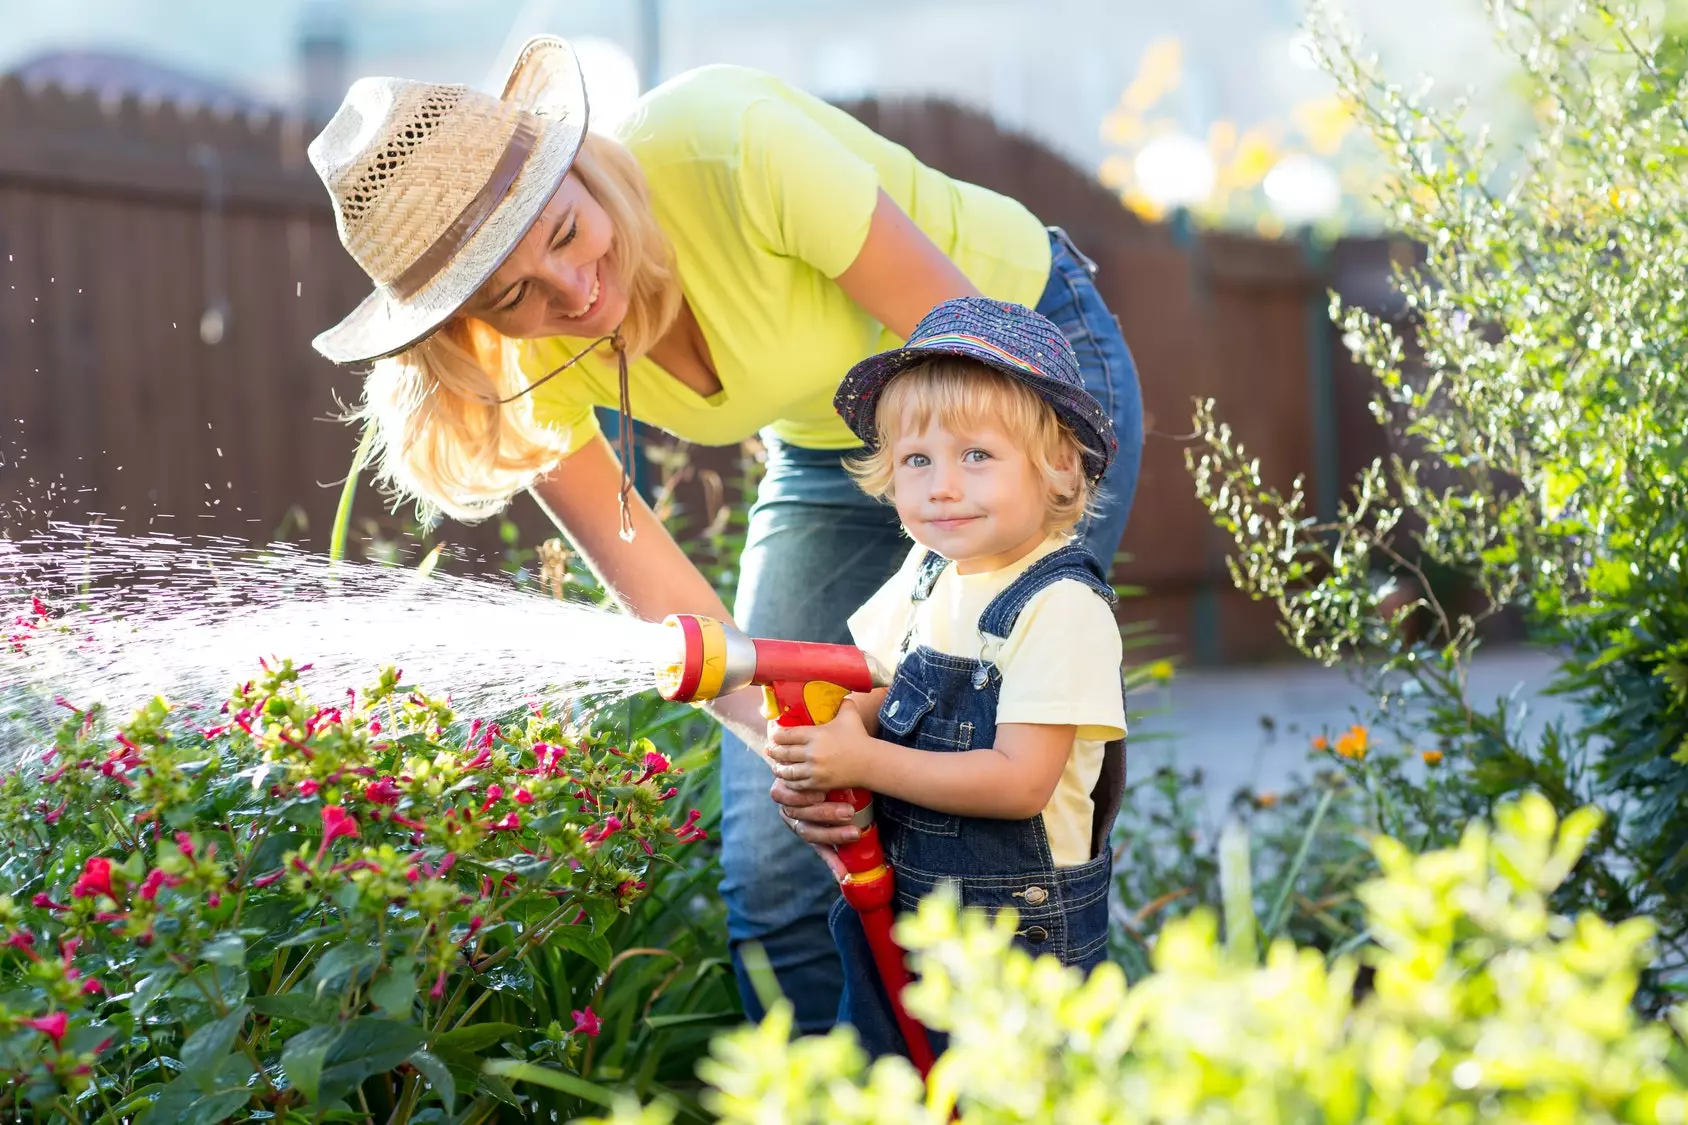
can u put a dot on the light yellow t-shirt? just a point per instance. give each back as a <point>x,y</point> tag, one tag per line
<point>766,193</point>
<point>1060,665</point>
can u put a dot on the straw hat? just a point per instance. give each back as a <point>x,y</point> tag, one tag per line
<point>433,186</point>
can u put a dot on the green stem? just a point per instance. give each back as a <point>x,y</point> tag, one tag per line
<point>1275,917</point>
<point>343,513</point>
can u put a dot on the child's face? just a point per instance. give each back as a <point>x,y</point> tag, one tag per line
<point>974,498</point>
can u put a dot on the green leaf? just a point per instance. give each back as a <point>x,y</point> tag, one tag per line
<point>394,989</point>
<point>204,1051</point>
<point>298,1006</point>
<point>342,962</point>
<point>363,1048</point>
<point>438,1076</point>
<point>550,1077</point>
<point>589,945</point>
<point>475,1037</point>
<point>184,1102</point>
<point>695,1019</point>
<point>225,949</point>
<point>303,1057</point>
<point>152,986</point>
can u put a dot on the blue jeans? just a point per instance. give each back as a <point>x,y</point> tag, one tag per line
<point>817,547</point>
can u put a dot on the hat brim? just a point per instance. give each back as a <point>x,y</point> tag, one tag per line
<point>546,81</point>
<point>857,400</point>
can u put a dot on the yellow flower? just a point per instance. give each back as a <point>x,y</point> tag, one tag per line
<point>1352,743</point>
<point>1161,671</point>
<point>1432,757</point>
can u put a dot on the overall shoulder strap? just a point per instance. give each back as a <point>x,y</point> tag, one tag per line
<point>1072,562</point>
<point>927,576</point>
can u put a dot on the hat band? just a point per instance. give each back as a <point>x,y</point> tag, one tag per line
<point>476,212</point>
<point>949,339</point>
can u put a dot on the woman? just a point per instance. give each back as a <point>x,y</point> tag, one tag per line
<point>714,270</point>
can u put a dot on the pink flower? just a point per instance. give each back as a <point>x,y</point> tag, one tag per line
<point>308,787</point>
<point>53,1026</point>
<point>95,880</point>
<point>654,763</point>
<point>382,792</point>
<point>44,901</point>
<point>438,991</point>
<point>92,986</point>
<point>523,797</point>
<point>586,1022</point>
<point>509,823</point>
<point>265,880</point>
<point>184,844</point>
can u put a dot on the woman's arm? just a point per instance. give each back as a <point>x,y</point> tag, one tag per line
<point>650,577</point>
<point>1011,780</point>
<point>899,274</point>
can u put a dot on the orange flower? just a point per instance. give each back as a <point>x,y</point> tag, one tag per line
<point>1265,800</point>
<point>1352,743</point>
<point>1321,743</point>
<point>1432,757</point>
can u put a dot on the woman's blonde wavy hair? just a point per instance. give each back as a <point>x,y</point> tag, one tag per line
<point>441,436</point>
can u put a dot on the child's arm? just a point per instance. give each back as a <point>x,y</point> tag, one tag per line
<point>1009,781</point>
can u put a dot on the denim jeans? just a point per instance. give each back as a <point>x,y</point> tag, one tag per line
<point>816,549</point>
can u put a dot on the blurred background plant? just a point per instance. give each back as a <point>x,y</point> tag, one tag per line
<point>1543,419</point>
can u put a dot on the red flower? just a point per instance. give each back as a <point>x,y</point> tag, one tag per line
<point>382,792</point>
<point>95,880</point>
<point>265,880</point>
<point>438,991</point>
<point>597,835</point>
<point>523,797</point>
<point>44,901</point>
<point>184,844</point>
<point>335,824</point>
<point>156,879</point>
<point>53,1026</point>
<point>509,823</point>
<point>654,763</point>
<point>92,986</point>
<point>586,1022</point>
<point>308,787</point>
<point>689,832</point>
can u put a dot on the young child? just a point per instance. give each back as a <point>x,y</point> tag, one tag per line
<point>997,752</point>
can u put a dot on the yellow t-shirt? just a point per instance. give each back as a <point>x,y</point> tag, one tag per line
<point>1060,665</point>
<point>766,193</point>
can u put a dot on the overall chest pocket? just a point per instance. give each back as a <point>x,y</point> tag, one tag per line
<point>906,718</point>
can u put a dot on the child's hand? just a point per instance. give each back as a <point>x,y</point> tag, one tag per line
<point>831,756</point>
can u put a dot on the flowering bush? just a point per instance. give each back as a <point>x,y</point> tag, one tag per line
<point>306,908</point>
<point>1484,1004</point>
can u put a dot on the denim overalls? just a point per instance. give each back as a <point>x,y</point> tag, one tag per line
<point>948,703</point>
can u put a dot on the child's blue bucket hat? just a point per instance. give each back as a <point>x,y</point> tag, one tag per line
<point>1009,338</point>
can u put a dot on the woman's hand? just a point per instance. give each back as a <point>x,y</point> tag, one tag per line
<point>835,755</point>
<point>899,274</point>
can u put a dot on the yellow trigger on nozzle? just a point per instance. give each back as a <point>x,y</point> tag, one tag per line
<point>824,700</point>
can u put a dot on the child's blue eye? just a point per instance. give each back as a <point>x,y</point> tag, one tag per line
<point>916,460</point>
<point>975,455</point>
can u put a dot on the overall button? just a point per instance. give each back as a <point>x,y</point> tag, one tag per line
<point>1037,934</point>
<point>896,704</point>
<point>1035,896</point>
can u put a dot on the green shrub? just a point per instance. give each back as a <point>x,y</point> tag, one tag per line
<point>1485,1005</point>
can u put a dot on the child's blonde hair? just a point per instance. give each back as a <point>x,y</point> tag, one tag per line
<point>961,395</point>
<point>442,438</point>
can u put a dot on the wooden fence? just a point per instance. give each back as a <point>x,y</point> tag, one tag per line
<point>162,272</point>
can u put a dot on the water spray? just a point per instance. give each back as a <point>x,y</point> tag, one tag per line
<point>805,684</point>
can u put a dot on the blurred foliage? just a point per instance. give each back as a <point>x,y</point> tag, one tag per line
<point>1478,1001</point>
<point>1535,381</point>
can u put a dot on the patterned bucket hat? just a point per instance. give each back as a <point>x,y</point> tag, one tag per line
<point>1009,338</point>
